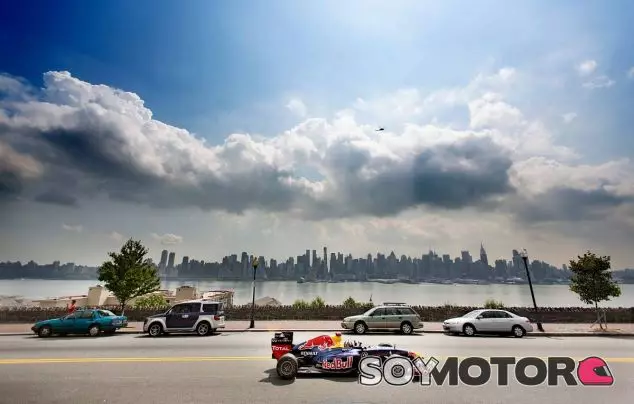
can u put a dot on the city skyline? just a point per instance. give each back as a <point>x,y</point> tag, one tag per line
<point>260,133</point>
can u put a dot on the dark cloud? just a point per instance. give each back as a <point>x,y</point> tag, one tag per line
<point>569,204</point>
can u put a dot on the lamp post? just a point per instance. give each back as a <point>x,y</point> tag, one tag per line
<point>255,267</point>
<point>524,255</point>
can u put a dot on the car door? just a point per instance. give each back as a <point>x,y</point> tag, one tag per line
<point>393,317</point>
<point>192,315</point>
<point>67,323</point>
<point>378,318</point>
<point>503,321</point>
<point>83,320</point>
<point>485,322</point>
<point>173,319</point>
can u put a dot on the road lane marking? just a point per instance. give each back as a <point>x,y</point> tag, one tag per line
<point>25,361</point>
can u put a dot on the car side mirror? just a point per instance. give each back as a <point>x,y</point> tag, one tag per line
<point>479,318</point>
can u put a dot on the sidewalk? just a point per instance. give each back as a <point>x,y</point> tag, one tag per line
<point>563,330</point>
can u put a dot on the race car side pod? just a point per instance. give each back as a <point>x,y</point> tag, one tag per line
<point>281,343</point>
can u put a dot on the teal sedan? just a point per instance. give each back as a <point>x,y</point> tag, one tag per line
<point>91,322</point>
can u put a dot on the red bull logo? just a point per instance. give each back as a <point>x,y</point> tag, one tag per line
<point>321,342</point>
<point>337,364</point>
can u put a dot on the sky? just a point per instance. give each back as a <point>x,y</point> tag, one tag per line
<point>220,127</point>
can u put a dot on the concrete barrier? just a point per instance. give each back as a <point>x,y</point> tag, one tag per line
<point>335,313</point>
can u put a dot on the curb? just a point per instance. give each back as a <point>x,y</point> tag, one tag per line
<point>531,334</point>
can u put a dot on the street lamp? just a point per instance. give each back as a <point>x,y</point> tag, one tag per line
<point>524,255</point>
<point>255,267</point>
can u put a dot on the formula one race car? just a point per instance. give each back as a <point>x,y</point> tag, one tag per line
<point>326,354</point>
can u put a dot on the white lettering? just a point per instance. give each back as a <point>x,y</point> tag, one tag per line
<point>337,364</point>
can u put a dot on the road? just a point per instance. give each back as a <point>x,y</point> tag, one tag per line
<point>237,368</point>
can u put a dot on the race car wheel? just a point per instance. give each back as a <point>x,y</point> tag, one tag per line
<point>406,328</point>
<point>287,367</point>
<point>155,330</point>
<point>203,329</point>
<point>360,328</point>
<point>45,331</point>
<point>518,331</point>
<point>469,330</point>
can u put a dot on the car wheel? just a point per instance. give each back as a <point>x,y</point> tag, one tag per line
<point>287,367</point>
<point>45,331</point>
<point>93,331</point>
<point>203,329</point>
<point>155,330</point>
<point>360,328</point>
<point>469,330</point>
<point>518,331</point>
<point>406,328</point>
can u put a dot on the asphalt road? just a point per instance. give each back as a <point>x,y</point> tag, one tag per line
<point>237,368</point>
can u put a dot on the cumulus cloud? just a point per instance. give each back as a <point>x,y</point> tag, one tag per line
<point>167,238</point>
<point>73,229</point>
<point>599,82</point>
<point>297,107</point>
<point>569,117</point>
<point>587,67</point>
<point>73,141</point>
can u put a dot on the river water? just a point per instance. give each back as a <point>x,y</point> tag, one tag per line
<point>335,293</point>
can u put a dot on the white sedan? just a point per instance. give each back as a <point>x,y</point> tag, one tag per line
<point>488,321</point>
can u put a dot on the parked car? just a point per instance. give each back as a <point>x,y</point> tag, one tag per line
<point>388,316</point>
<point>488,321</point>
<point>200,316</point>
<point>91,322</point>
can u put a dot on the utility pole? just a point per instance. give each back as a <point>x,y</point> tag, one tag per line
<point>255,267</point>
<point>530,285</point>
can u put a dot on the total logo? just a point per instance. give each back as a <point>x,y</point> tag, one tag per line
<point>281,348</point>
<point>337,364</point>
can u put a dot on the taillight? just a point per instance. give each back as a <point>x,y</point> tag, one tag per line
<point>217,318</point>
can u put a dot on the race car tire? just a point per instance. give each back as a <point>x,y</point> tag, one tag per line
<point>518,331</point>
<point>469,330</point>
<point>287,367</point>
<point>360,327</point>
<point>406,328</point>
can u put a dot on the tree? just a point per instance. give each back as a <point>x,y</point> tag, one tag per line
<point>128,274</point>
<point>592,280</point>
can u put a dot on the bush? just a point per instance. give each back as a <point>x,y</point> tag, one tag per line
<point>317,303</point>
<point>300,304</point>
<point>493,304</point>
<point>350,303</point>
<point>150,301</point>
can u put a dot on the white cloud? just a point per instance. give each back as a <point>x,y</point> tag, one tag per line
<point>587,67</point>
<point>599,82</point>
<point>419,183</point>
<point>73,229</point>
<point>569,117</point>
<point>118,237</point>
<point>630,73</point>
<point>167,238</point>
<point>297,107</point>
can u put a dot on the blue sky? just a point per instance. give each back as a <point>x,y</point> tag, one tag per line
<point>216,68</point>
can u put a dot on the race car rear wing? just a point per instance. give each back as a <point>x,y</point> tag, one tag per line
<point>281,343</point>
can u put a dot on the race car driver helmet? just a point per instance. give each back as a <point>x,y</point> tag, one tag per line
<point>336,340</point>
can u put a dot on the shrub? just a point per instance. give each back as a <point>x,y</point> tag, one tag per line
<point>493,304</point>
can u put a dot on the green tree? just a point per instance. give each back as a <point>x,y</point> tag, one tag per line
<point>493,304</point>
<point>592,280</point>
<point>128,274</point>
<point>151,301</point>
<point>300,304</point>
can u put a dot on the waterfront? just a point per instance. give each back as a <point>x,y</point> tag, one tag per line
<point>335,293</point>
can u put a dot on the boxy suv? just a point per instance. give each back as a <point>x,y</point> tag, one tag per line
<point>202,317</point>
<point>388,316</point>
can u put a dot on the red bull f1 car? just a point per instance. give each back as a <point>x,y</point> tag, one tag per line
<point>326,354</point>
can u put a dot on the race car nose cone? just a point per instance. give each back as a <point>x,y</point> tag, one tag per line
<point>594,371</point>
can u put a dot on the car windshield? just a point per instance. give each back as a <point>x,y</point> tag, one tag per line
<point>106,313</point>
<point>367,313</point>
<point>472,313</point>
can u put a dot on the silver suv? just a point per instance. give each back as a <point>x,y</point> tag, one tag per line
<point>201,316</point>
<point>388,316</point>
